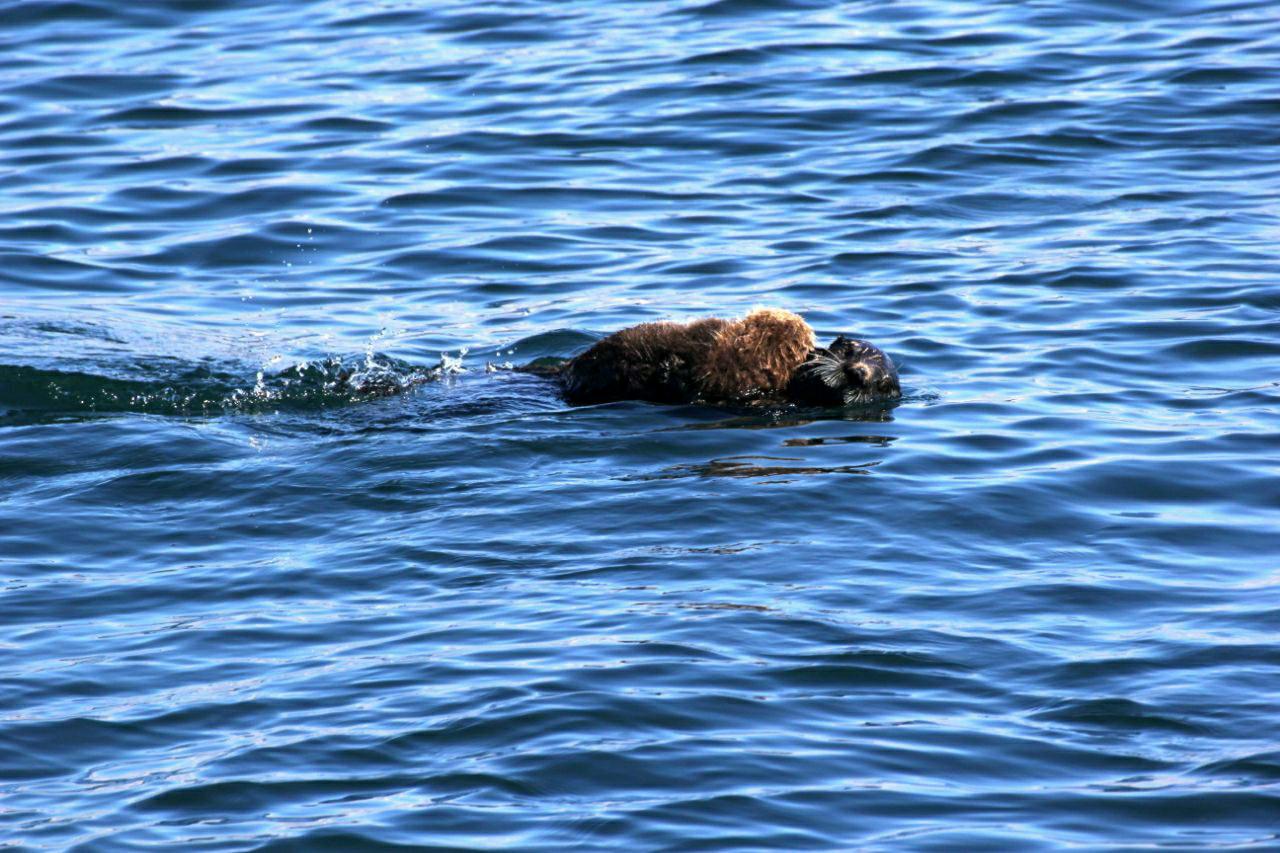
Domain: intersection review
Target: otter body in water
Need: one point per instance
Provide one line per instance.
(769, 356)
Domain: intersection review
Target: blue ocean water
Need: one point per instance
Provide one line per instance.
(1033, 605)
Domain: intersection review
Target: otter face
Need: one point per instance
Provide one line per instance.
(846, 373)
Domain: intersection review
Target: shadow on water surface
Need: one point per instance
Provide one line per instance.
(750, 468)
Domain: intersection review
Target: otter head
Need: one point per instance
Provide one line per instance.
(846, 373)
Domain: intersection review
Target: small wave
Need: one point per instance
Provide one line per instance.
(745, 8)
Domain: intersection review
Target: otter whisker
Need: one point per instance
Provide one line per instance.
(829, 371)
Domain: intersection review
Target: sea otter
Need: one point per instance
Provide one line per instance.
(769, 356)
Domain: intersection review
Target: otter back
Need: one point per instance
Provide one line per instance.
(660, 362)
(711, 360)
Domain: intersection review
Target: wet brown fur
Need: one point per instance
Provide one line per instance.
(756, 355)
(711, 360)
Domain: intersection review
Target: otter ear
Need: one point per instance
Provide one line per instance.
(839, 345)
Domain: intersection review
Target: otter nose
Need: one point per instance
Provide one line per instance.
(860, 373)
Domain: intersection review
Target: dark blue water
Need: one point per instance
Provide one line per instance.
(1033, 605)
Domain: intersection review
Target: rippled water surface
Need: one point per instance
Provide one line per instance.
(1034, 604)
